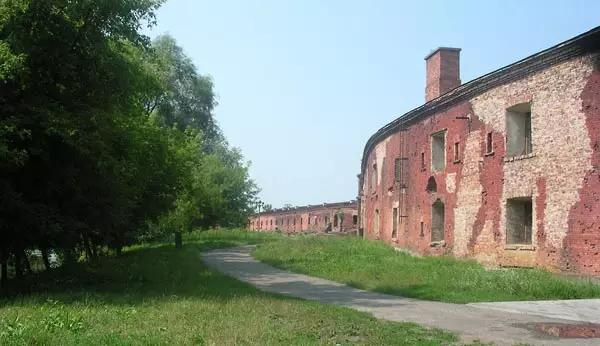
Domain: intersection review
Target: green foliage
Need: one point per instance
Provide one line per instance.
(376, 266)
(186, 98)
(105, 137)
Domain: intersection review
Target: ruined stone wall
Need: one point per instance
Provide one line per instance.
(560, 176)
(313, 218)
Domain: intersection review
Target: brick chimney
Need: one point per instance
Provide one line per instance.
(443, 72)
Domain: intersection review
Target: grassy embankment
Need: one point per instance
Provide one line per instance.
(158, 295)
(375, 266)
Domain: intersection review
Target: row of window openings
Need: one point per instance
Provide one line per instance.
(519, 226)
(518, 142)
(398, 169)
(436, 164)
(326, 219)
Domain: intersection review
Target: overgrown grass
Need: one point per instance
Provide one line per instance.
(375, 266)
(158, 295)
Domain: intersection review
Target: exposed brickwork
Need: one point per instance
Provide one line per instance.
(314, 218)
(581, 246)
(561, 176)
(555, 97)
(442, 72)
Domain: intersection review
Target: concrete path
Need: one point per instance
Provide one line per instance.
(581, 310)
(471, 321)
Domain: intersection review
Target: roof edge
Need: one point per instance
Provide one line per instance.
(308, 207)
(450, 49)
(580, 45)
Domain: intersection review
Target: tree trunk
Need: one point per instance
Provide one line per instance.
(45, 258)
(94, 249)
(18, 264)
(119, 242)
(87, 247)
(69, 257)
(4, 263)
(178, 241)
(27, 263)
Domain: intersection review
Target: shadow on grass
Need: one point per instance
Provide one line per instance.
(142, 274)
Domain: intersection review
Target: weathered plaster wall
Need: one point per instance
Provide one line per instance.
(469, 197)
(561, 147)
(582, 243)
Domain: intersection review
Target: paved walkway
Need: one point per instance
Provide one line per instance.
(581, 310)
(472, 321)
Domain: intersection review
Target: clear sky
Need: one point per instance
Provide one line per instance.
(302, 84)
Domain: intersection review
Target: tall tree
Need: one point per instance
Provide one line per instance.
(218, 189)
(103, 136)
(188, 98)
(66, 92)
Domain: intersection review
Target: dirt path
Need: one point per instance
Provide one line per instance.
(473, 321)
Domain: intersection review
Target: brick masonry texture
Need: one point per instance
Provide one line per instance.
(313, 218)
(561, 176)
(442, 68)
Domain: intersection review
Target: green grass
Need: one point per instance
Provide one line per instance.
(158, 295)
(375, 266)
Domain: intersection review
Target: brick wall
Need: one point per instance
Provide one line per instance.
(309, 218)
(561, 176)
(581, 245)
(442, 69)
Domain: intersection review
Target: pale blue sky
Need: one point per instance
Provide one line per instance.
(302, 84)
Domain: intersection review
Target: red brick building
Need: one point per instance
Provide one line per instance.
(504, 169)
(314, 218)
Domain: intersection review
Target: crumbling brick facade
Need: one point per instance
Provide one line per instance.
(516, 181)
(315, 218)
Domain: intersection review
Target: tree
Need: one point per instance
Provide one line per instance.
(65, 104)
(268, 208)
(217, 189)
(187, 98)
(105, 139)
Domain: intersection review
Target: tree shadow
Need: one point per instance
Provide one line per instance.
(142, 275)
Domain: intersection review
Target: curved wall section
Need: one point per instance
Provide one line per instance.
(504, 172)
